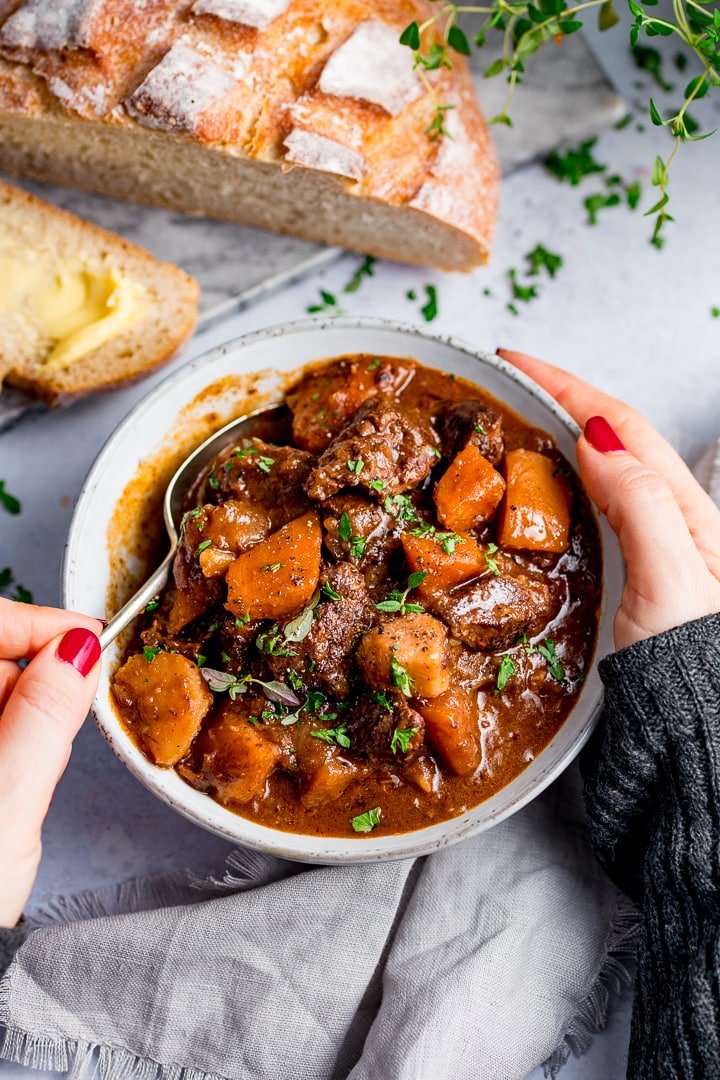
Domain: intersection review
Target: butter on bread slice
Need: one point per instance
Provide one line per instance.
(81, 309)
(300, 116)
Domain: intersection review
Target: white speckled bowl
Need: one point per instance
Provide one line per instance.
(283, 349)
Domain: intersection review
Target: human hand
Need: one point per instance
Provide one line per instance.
(41, 709)
(668, 527)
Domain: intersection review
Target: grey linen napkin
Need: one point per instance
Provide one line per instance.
(476, 963)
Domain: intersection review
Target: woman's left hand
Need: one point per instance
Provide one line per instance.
(41, 710)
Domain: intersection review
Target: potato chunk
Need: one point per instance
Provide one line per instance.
(414, 644)
(536, 513)
(443, 569)
(277, 577)
(451, 725)
(236, 757)
(469, 492)
(169, 700)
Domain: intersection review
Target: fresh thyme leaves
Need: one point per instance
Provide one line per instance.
(357, 547)
(715, 312)
(365, 269)
(378, 485)
(448, 541)
(9, 502)
(152, 605)
(273, 643)
(204, 545)
(599, 201)
(633, 194)
(505, 673)
(365, 823)
(400, 678)
(547, 649)
(490, 560)
(401, 506)
(429, 310)
(272, 568)
(265, 464)
(356, 466)
(401, 739)
(150, 653)
(221, 682)
(22, 595)
(526, 293)
(213, 482)
(397, 600)
(336, 735)
(374, 363)
(650, 60)
(344, 527)
(328, 305)
(329, 592)
(574, 165)
(356, 543)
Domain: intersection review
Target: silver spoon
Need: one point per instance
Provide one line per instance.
(175, 496)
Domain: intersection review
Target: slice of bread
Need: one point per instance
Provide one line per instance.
(139, 310)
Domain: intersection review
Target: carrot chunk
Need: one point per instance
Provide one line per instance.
(237, 757)
(451, 725)
(278, 576)
(443, 568)
(469, 492)
(409, 653)
(535, 515)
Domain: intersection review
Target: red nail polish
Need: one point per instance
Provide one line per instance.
(80, 648)
(602, 437)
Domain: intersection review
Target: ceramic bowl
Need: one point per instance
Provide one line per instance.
(275, 352)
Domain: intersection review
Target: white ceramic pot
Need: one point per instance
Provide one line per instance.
(282, 349)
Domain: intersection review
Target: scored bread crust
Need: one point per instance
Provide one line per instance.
(294, 115)
(166, 319)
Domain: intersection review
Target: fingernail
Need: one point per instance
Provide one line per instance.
(602, 437)
(80, 648)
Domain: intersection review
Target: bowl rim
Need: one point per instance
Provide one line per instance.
(290, 845)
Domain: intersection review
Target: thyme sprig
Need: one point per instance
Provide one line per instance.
(527, 25)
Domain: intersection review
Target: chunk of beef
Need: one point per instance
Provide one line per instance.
(371, 726)
(494, 611)
(463, 423)
(323, 659)
(167, 698)
(384, 449)
(323, 402)
(268, 477)
(221, 532)
(374, 542)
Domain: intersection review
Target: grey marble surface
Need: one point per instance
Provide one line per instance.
(629, 318)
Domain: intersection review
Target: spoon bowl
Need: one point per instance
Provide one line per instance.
(175, 499)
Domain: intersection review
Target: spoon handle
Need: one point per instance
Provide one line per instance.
(137, 603)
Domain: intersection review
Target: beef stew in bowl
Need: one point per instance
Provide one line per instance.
(382, 608)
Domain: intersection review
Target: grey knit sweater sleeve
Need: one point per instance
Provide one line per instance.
(652, 792)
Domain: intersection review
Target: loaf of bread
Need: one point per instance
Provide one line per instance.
(293, 115)
(80, 308)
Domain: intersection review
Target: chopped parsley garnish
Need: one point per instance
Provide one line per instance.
(448, 541)
(547, 649)
(329, 592)
(9, 502)
(245, 451)
(525, 293)
(365, 269)
(336, 735)
(315, 700)
(490, 560)
(401, 739)
(344, 527)
(599, 201)
(21, 595)
(480, 429)
(213, 482)
(294, 679)
(374, 363)
(397, 601)
(377, 485)
(201, 659)
(411, 295)
(365, 823)
(540, 258)
(6, 577)
(715, 312)
(382, 699)
(400, 678)
(152, 605)
(272, 568)
(241, 620)
(574, 165)
(150, 653)
(192, 515)
(356, 466)
(505, 673)
(429, 310)
(265, 464)
(401, 506)
(357, 547)
(204, 545)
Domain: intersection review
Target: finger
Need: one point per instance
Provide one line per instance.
(583, 401)
(666, 575)
(48, 704)
(9, 675)
(25, 628)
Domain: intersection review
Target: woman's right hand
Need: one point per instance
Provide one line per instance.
(668, 527)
